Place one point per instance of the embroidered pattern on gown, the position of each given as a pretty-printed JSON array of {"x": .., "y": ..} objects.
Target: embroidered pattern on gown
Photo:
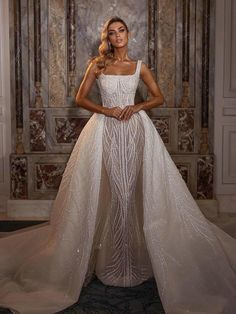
[
  {"x": 124, "y": 212},
  {"x": 122, "y": 257}
]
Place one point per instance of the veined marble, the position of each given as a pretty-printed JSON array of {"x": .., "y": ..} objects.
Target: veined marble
[
  {"x": 57, "y": 53},
  {"x": 186, "y": 130},
  {"x": 67, "y": 44},
  {"x": 37, "y": 130},
  {"x": 19, "y": 179},
  {"x": 205, "y": 168},
  {"x": 48, "y": 176},
  {"x": 68, "y": 129},
  {"x": 163, "y": 127}
]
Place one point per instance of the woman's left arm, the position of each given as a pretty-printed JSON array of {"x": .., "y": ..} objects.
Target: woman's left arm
[{"x": 156, "y": 100}]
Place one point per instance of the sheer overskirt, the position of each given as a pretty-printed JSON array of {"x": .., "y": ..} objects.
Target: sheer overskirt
[
  {"x": 193, "y": 260},
  {"x": 43, "y": 269}
]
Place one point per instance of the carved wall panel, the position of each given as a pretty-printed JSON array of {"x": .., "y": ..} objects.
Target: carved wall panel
[
  {"x": 225, "y": 104},
  {"x": 54, "y": 39}
]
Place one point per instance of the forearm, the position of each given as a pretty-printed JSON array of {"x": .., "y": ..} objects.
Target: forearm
[
  {"x": 89, "y": 105},
  {"x": 151, "y": 103}
]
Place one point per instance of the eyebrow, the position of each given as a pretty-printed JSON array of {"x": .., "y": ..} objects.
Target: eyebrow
[{"x": 114, "y": 29}]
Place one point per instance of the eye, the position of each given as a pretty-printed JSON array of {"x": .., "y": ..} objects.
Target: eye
[
  {"x": 110, "y": 33},
  {"x": 122, "y": 30}
]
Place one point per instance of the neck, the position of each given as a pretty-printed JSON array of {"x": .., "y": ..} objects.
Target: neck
[{"x": 121, "y": 54}]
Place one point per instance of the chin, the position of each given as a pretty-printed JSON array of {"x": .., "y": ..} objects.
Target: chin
[{"x": 120, "y": 45}]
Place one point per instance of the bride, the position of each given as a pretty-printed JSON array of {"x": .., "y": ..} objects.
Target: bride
[{"x": 122, "y": 211}]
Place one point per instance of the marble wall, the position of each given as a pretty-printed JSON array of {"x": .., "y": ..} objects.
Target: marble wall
[{"x": 51, "y": 43}]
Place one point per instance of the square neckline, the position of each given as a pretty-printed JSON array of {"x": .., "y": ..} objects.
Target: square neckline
[{"x": 136, "y": 69}]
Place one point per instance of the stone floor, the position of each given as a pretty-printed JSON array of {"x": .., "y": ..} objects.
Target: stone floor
[
  {"x": 100, "y": 299},
  {"x": 96, "y": 298}
]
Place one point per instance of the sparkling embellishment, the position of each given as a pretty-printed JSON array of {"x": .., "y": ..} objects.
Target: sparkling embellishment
[{"x": 125, "y": 260}]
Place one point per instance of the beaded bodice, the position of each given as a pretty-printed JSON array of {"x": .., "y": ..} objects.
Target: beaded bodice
[{"x": 119, "y": 90}]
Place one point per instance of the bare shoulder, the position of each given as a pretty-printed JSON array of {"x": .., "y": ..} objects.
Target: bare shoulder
[
  {"x": 144, "y": 69},
  {"x": 92, "y": 68},
  {"x": 146, "y": 73},
  {"x": 91, "y": 72}
]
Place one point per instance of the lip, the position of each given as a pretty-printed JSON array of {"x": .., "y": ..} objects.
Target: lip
[{"x": 119, "y": 41}]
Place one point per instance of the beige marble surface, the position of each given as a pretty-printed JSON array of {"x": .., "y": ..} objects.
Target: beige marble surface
[{"x": 63, "y": 120}]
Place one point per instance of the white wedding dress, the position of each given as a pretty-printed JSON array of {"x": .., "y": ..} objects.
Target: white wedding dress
[{"x": 124, "y": 213}]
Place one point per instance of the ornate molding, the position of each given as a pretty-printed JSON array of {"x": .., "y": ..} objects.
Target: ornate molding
[
  {"x": 185, "y": 101},
  {"x": 152, "y": 35},
  {"x": 57, "y": 53},
  {"x": 205, "y": 62},
  {"x": 71, "y": 46},
  {"x": 37, "y": 54},
  {"x": 204, "y": 147},
  {"x": 18, "y": 77}
]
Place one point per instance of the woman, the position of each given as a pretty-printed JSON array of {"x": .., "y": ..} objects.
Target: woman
[
  {"x": 122, "y": 210},
  {"x": 122, "y": 258}
]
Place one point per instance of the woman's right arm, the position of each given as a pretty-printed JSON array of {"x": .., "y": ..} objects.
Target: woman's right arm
[{"x": 81, "y": 96}]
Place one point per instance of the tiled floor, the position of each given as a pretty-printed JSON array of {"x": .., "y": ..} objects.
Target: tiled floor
[{"x": 98, "y": 298}]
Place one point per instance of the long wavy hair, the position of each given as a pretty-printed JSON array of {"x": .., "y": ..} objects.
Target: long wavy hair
[{"x": 106, "y": 50}]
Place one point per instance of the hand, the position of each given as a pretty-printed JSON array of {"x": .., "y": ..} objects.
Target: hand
[
  {"x": 114, "y": 112},
  {"x": 128, "y": 111}
]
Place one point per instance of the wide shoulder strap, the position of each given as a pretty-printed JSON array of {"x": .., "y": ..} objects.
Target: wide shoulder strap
[{"x": 138, "y": 68}]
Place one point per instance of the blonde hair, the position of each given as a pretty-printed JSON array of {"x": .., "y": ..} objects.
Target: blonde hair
[{"x": 106, "y": 50}]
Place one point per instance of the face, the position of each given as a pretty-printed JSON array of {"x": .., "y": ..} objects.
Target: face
[{"x": 117, "y": 35}]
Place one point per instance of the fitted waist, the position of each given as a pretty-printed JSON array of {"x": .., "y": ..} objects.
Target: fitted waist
[{"x": 121, "y": 100}]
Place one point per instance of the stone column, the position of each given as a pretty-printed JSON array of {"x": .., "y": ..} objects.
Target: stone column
[
  {"x": 204, "y": 147},
  {"x": 18, "y": 78}
]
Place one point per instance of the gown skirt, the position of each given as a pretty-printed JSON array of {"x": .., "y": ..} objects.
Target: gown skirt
[
  {"x": 122, "y": 258},
  {"x": 124, "y": 213}
]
